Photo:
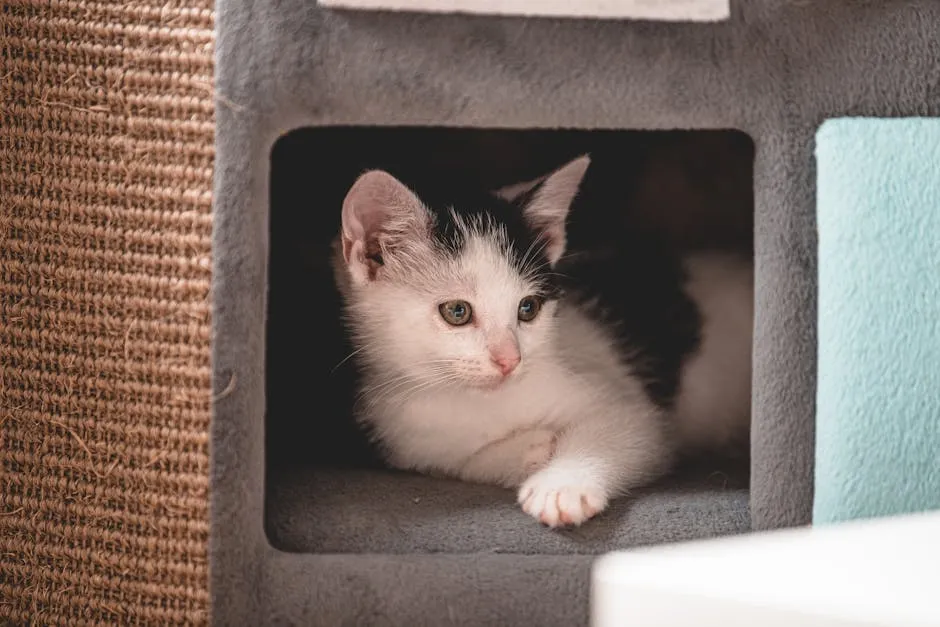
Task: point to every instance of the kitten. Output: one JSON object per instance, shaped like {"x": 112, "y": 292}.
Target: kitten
{"x": 490, "y": 355}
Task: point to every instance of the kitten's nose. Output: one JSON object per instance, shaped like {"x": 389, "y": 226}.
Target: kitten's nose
{"x": 505, "y": 363}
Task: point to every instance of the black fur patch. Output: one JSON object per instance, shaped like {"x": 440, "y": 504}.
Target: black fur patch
{"x": 481, "y": 207}
{"x": 636, "y": 280}
{"x": 637, "y": 294}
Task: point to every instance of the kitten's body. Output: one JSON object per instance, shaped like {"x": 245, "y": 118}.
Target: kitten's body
{"x": 633, "y": 357}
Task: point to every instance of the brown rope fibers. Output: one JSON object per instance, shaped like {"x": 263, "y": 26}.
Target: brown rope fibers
{"x": 106, "y": 152}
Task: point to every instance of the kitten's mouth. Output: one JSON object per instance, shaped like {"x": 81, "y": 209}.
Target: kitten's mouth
{"x": 497, "y": 382}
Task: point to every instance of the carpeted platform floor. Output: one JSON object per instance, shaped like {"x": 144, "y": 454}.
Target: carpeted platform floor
{"x": 367, "y": 511}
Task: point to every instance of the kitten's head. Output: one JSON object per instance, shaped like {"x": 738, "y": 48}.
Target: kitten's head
{"x": 459, "y": 293}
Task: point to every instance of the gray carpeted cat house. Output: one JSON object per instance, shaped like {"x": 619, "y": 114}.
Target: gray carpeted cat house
{"x": 303, "y": 532}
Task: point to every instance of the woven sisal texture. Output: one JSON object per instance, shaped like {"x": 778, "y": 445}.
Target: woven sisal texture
{"x": 106, "y": 154}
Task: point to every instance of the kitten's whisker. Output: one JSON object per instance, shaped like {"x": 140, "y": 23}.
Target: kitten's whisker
{"x": 533, "y": 270}
{"x": 437, "y": 367}
{"x": 375, "y": 388}
{"x": 525, "y": 256}
{"x": 572, "y": 253}
{"x": 348, "y": 357}
{"x": 392, "y": 387}
{"x": 420, "y": 387}
{"x": 442, "y": 381}
{"x": 405, "y": 387}
{"x": 392, "y": 384}
{"x": 524, "y": 269}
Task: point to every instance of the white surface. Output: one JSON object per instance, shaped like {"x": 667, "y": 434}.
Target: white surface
{"x": 880, "y": 572}
{"x": 666, "y": 10}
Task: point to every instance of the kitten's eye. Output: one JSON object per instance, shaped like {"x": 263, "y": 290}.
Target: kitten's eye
{"x": 456, "y": 312}
{"x": 529, "y": 308}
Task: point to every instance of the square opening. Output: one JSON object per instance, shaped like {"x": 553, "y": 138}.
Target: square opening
{"x": 326, "y": 491}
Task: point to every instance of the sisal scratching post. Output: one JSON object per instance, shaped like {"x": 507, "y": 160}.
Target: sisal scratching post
{"x": 106, "y": 156}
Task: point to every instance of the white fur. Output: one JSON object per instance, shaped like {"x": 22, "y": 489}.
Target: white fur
{"x": 714, "y": 404}
{"x": 570, "y": 398}
{"x": 572, "y": 426}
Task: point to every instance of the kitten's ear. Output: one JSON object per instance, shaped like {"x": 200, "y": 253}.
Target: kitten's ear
{"x": 512, "y": 193}
{"x": 379, "y": 213}
{"x": 547, "y": 208}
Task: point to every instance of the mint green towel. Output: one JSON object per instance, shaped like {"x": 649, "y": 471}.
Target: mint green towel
{"x": 878, "y": 398}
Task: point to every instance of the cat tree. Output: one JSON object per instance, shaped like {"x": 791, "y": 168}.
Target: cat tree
{"x": 360, "y": 547}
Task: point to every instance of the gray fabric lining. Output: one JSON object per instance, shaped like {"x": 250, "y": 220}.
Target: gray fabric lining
{"x": 775, "y": 70}
{"x": 363, "y": 511}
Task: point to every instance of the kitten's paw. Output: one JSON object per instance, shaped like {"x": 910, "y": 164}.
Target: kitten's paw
{"x": 540, "y": 449}
{"x": 559, "y": 496}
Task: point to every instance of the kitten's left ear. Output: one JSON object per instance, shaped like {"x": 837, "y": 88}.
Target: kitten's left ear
{"x": 512, "y": 193}
{"x": 547, "y": 209}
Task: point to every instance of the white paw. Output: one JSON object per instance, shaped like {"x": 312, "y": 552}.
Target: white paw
{"x": 540, "y": 449}
{"x": 558, "y": 496}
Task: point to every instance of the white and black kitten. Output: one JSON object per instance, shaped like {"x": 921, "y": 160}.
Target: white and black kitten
{"x": 489, "y": 354}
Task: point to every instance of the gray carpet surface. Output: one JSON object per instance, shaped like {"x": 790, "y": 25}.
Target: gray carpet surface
{"x": 366, "y": 511}
{"x": 420, "y": 590}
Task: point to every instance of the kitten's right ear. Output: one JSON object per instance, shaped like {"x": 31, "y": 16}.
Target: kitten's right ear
{"x": 546, "y": 210}
{"x": 379, "y": 212}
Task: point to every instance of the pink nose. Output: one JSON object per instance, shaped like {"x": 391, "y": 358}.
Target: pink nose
{"x": 505, "y": 364}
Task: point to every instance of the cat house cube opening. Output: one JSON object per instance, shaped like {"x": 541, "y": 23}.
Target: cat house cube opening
{"x": 325, "y": 490}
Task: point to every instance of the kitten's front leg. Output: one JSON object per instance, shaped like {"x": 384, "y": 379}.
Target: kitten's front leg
{"x": 510, "y": 460}
{"x": 595, "y": 460}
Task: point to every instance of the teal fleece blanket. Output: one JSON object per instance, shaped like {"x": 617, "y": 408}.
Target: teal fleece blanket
{"x": 878, "y": 395}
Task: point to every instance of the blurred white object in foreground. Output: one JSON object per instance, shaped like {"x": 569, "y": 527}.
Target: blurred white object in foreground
{"x": 877, "y": 572}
